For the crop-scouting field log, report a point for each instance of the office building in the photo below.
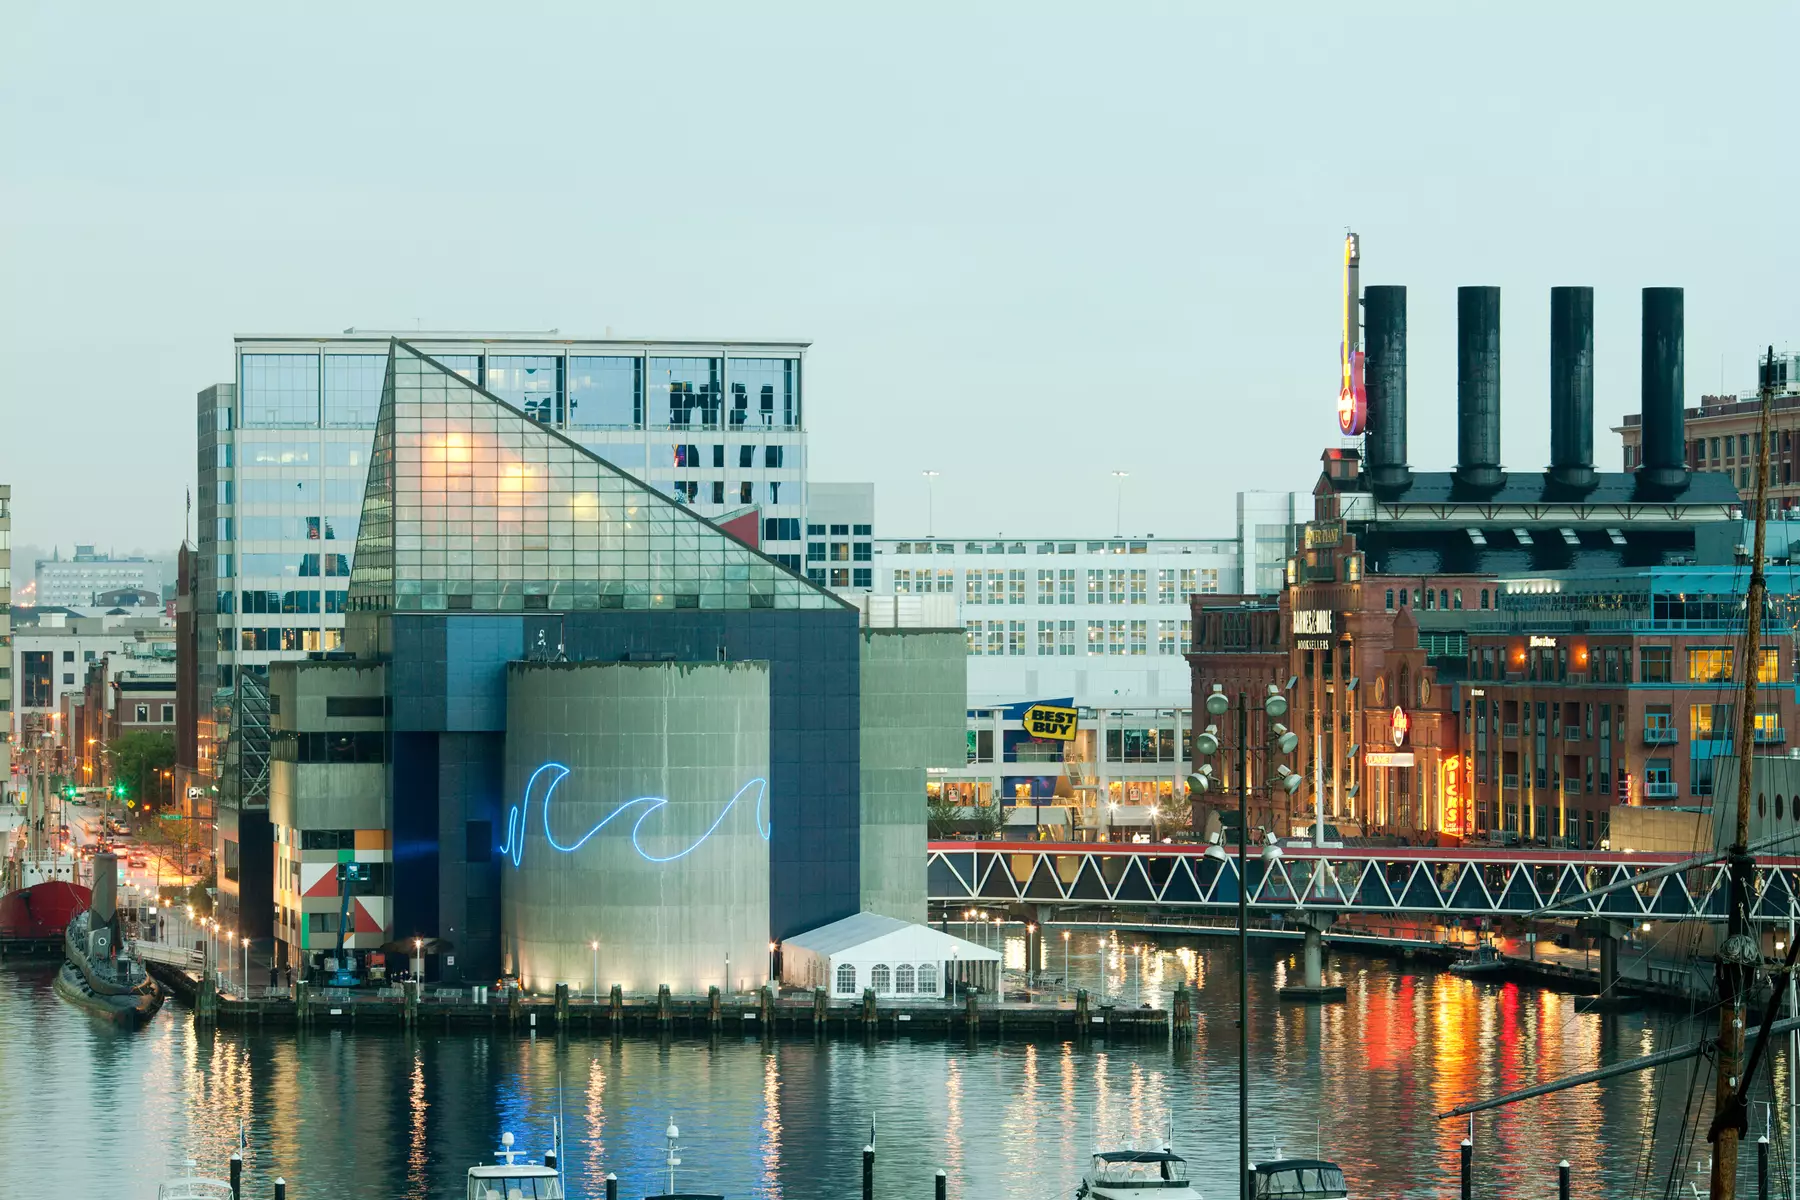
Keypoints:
(570, 718)
(283, 455)
(50, 654)
(1720, 436)
(81, 581)
(7, 663)
(840, 532)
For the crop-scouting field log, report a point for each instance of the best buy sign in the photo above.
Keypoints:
(1050, 721)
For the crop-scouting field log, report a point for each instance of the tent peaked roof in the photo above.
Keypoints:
(869, 933)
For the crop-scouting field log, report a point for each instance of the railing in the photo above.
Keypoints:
(1571, 787)
(1510, 729)
(163, 952)
(1659, 735)
(1766, 737)
(1510, 782)
(1571, 733)
(1660, 791)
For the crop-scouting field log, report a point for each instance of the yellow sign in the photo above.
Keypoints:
(1050, 721)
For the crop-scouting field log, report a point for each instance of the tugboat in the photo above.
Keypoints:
(97, 975)
(1126, 1174)
(1486, 959)
(40, 883)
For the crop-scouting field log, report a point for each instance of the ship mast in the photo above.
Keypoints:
(1740, 953)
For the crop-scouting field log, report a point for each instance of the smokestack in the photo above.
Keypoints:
(105, 903)
(1665, 435)
(1478, 387)
(1572, 386)
(1384, 379)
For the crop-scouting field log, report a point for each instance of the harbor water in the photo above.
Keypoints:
(98, 1111)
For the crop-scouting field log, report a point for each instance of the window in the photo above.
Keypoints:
(1656, 664)
(278, 390)
(1390, 600)
(862, 577)
(68, 656)
(330, 747)
(1140, 637)
(846, 979)
(972, 635)
(927, 979)
(1046, 638)
(1015, 587)
(1165, 587)
(946, 581)
(168, 714)
(972, 589)
(1167, 635)
(1187, 636)
(1768, 726)
(880, 979)
(865, 552)
(1115, 587)
(1096, 632)
(356, 706)
(1096, 581)
(815, 552)
(903, 979)
(1065, 587)
(1065, 638)
(862, 531)
(1046, 588)
(142, 713)
(1768, 665)
(1484, 597)
(1115, 637)
(1140, 587)
(1711, 665)
(996, 638)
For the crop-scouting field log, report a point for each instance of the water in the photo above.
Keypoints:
(110, 1113)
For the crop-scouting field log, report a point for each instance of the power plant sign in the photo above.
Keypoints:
(1353, 401)
(1050, 721)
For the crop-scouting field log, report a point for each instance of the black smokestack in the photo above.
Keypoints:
(1384, 380)
(1572, 386)
(1478, 387)
(1665, 435)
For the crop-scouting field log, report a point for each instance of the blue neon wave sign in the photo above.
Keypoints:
(545, 780)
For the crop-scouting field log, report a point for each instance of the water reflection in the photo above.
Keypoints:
(339, 1113)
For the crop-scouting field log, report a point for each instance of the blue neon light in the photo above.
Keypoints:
(552, 774)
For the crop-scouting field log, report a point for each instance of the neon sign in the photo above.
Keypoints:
(551, 774)
(1353, 400)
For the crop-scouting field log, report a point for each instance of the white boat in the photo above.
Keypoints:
(510, 1179)
(1300, 1179)
(1126, 1174)
(194, 1187)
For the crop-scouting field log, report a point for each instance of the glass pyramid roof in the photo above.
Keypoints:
(472, 505)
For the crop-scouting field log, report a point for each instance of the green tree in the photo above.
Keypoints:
(941, 816)
(137, 757)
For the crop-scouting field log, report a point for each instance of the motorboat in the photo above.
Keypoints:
(195, 1187)
(1300, 1179)
(1485, 959)
(1125, 1174)
(510, 1179)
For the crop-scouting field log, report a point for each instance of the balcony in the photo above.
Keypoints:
(1659, 735)
(1571, 787)
(1571, 733)
(1770, 737)
(1510, 782)
(1510, 729)
(1659, 789)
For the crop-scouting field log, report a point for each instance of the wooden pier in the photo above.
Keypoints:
(763, 1014)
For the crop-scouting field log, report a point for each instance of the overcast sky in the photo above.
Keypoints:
(1030, 244)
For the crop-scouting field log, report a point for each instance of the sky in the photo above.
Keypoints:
(1031, 244)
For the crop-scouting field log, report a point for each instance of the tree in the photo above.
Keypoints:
(941, 816)
(136, 757)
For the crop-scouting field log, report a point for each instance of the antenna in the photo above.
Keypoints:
(674, 1160)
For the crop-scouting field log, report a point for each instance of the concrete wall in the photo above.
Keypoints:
(1653, 830)
(914, 697)
(694, 734)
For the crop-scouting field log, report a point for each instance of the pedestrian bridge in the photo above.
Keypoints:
(1425, 880)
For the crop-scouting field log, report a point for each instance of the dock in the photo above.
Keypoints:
(760, 1014)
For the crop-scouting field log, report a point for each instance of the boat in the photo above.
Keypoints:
(1126, 1174)
(98, 975)
(194, 1187)
(510, 1179)
(1485, 959)
(1300, 1179)
(41, 882)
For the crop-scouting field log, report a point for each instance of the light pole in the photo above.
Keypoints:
(595, 947)
(1065, 934)
(771, 962)
(930, 489)
(245, 938)
(1119, 508)
(419, 958)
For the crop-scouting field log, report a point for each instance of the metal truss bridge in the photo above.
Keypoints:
(1426, 881)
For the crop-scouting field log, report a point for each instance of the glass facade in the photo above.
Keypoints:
(470, 507)
(280, 390)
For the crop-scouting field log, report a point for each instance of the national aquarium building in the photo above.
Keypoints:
(579, 733)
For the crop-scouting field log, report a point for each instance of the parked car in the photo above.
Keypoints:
(137, 862)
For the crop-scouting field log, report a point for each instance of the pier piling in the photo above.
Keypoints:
(612, 1186)
(942, 1186)
(1762, 1170)
(868, 1192)
(1468, 1170)
(237, 1175)
(1562, 1179)
(280, 1189)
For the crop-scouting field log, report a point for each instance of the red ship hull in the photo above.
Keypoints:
(42, 910)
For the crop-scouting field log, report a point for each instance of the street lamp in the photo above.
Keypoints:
(595, 947)
(930, 499)
(1065, 934)
(419, 958)
(1119, 508)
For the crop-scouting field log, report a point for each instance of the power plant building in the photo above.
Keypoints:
(618, 745)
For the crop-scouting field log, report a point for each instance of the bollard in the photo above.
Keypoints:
(943, 1186)
(664, 1007)
(612, 1186)
(550, 1159)
(237, 1174)
(1468, 1170)
(1762, 1169)
(1562, 1179)
(819, 1010)
(281, 1189)
(868, 1008)
(868, 1173)
(562, 1006)
(1250, 1182)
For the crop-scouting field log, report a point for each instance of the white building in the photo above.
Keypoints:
(79, 581)
(50, 659)
(840, 532)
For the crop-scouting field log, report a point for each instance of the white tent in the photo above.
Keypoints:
(896, 958)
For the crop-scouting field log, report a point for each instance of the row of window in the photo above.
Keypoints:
(903, 980)
(840, 531)
(841, 577)
(291, 602)
(1015, 586)
(1019, 548)
(303, 566)
(837, 552)
(283, 529)
(688, 455)
(595, 391)
(281, 637)
(330, 747)
(1433, 598)
(690, 491)
(1062, 638)
(308, 494)
(1612, 664)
